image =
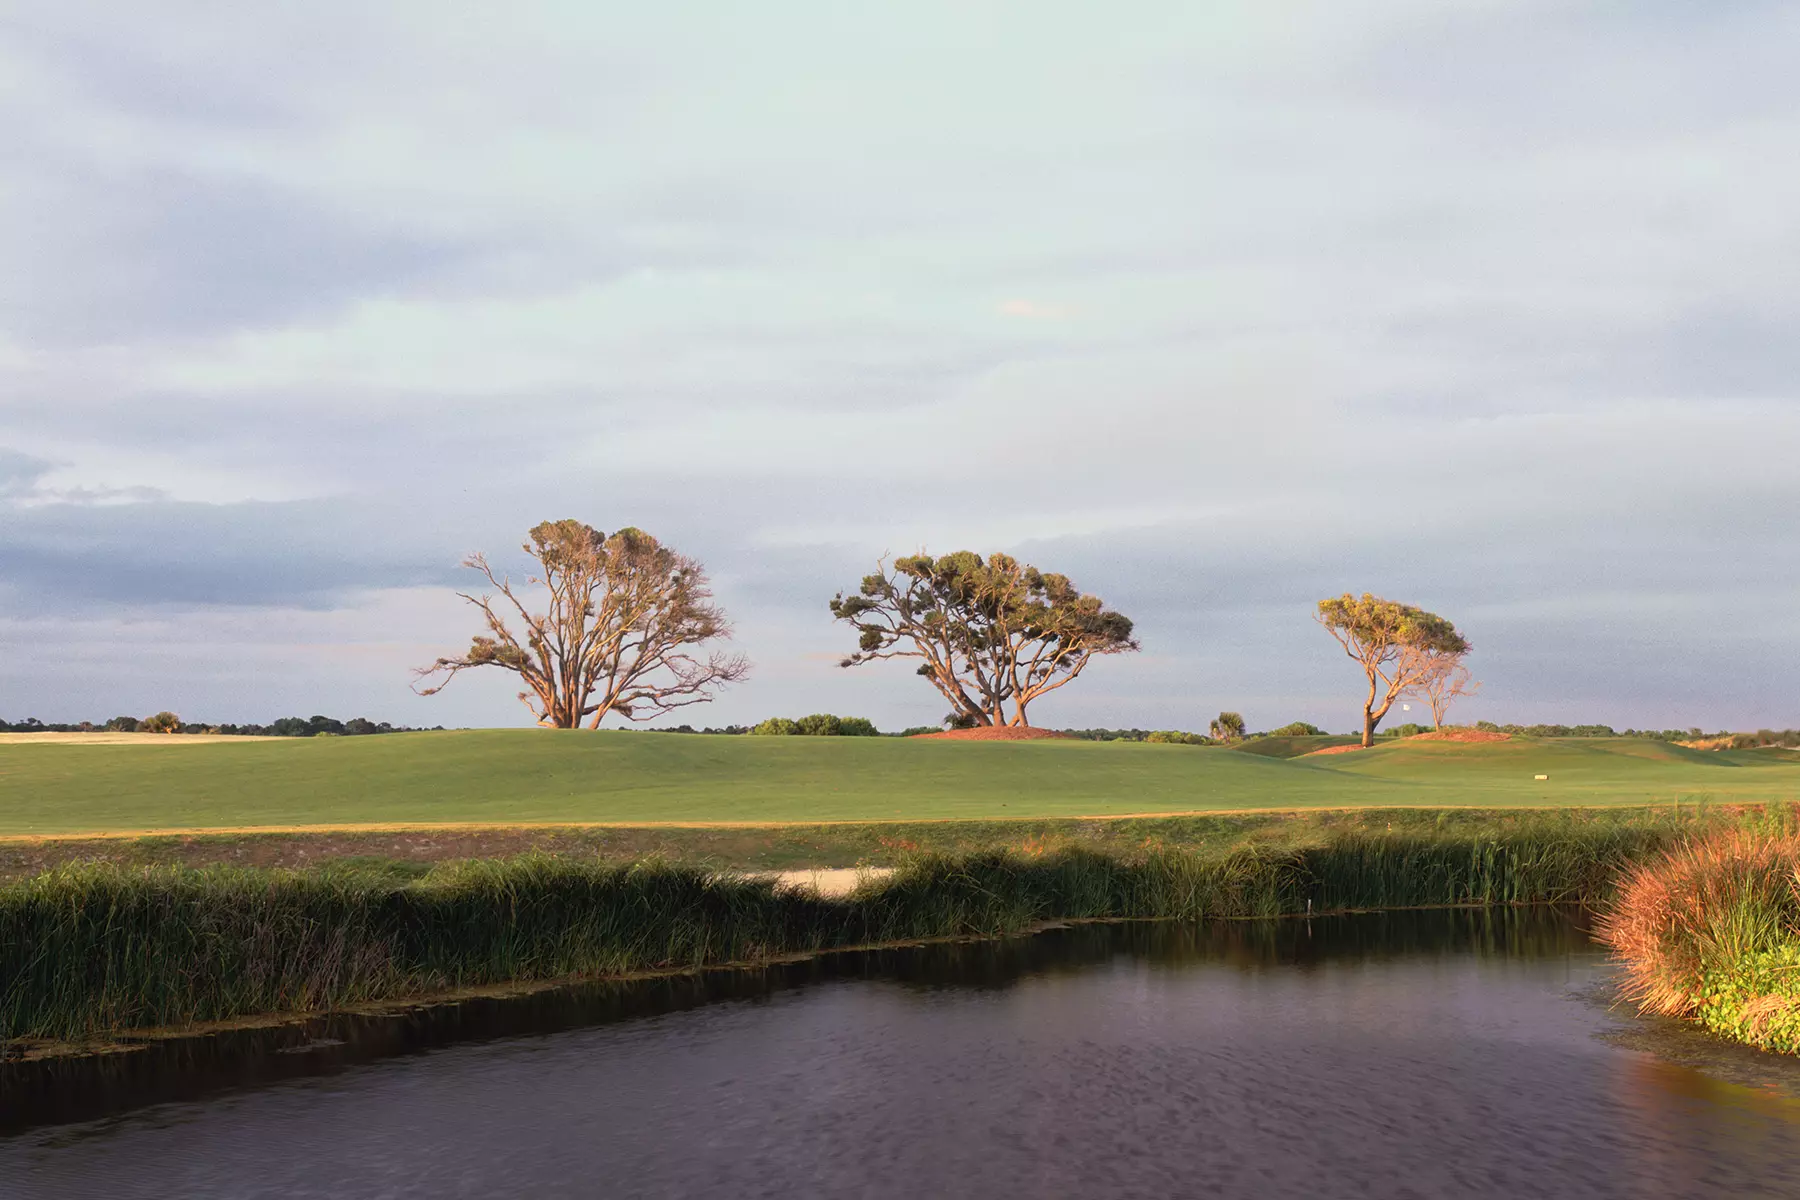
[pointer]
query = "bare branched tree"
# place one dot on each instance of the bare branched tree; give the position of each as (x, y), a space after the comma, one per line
(1442, 681)
(1392, 642)
(625, 613)
(989, 633)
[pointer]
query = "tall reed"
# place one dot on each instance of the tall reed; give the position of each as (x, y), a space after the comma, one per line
(88, 950)
(1710, 931)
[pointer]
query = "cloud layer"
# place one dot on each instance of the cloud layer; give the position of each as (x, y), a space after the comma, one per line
(1220, 309)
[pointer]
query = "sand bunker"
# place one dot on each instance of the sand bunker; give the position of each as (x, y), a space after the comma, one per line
(995, 733)
(1332, 750)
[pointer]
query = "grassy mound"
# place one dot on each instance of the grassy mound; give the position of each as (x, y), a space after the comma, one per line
(1293, 747)
(526, 776)
(1710, 931)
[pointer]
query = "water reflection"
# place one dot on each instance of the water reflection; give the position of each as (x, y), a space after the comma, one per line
(59, 1091)
(1425, 1054)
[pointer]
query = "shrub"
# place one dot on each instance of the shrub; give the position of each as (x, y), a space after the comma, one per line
(162, 722)
(1296, 729)
(819, 725)
(1710, 931)
(1177, 738)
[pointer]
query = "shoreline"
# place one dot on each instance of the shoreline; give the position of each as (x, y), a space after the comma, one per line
(130, 1041)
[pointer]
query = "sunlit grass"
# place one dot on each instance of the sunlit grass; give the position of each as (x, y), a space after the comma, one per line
(88, 949)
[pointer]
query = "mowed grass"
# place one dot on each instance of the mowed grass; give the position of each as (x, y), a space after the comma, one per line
(541, 776)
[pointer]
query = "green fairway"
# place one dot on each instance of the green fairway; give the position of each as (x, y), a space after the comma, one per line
(530, 776)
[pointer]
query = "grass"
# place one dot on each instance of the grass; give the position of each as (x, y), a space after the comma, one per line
(90, 950)
(843, 844)
(1709, 930)
(514, 777)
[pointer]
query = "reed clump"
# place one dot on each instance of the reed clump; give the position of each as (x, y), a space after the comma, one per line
(92, 950)
(1710, 931)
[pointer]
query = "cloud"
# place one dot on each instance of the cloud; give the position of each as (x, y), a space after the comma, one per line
(1471, 303)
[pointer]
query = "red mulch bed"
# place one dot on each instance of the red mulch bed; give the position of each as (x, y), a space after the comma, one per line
(1460, 735)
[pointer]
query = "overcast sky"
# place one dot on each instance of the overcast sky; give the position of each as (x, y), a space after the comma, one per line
(1218, 308)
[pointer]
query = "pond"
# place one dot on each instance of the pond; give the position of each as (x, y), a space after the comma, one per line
(1441, 1054)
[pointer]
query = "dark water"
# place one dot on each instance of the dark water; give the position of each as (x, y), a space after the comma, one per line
(1408, 1055)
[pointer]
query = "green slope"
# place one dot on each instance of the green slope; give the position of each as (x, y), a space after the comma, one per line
(545, 776)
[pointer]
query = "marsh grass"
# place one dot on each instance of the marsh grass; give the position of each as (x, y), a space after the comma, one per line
(1709, 930)
(92, 949)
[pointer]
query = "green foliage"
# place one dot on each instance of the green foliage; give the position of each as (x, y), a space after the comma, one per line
(162, 722)
(1404, 731)
(817, 725)
(988, 633)
(1383, 627)
(1176, 737)
(1297, 729)
(1227, 727)
(122, 725)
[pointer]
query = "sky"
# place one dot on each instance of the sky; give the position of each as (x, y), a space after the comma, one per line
(1218, 309)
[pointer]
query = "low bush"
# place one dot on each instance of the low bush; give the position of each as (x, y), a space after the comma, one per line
(817, 725)
(1710, 931)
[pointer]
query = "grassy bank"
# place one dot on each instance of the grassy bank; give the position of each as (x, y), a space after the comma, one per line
(415, 850)
(1709, 931)
(531, 776)
(90, 949)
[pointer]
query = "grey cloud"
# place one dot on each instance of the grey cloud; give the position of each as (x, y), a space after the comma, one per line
(166, 254)
(64, 557)
(1482, 311)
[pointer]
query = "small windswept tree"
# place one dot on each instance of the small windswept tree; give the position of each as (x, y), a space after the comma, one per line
(1443, 680)
(1394, 643)
(1227, 727)
(162, 722)
(992, 635)
(625, 614)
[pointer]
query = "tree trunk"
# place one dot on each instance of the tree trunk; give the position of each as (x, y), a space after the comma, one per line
(1369, 719)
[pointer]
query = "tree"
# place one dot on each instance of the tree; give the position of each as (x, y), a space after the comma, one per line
(624, 612)
(988, 633)
(1394, 644)
(121, 725)
(1443, 679)
(162, 722)
(1227, 727)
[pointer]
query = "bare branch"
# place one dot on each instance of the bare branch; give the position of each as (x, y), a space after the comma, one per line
(621, 612)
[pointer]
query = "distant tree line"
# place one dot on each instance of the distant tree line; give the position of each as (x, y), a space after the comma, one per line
(816, 725)
(1179, 737)
(168, 722)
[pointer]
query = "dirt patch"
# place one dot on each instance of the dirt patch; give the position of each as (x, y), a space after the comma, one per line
(995, 733)
(1460, 735)
(1333, 750)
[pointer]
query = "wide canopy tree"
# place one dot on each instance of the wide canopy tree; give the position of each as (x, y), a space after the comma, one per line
(992, 635)
(624, 618)
(1396, 645)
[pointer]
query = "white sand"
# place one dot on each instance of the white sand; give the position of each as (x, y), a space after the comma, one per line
(833, 881)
